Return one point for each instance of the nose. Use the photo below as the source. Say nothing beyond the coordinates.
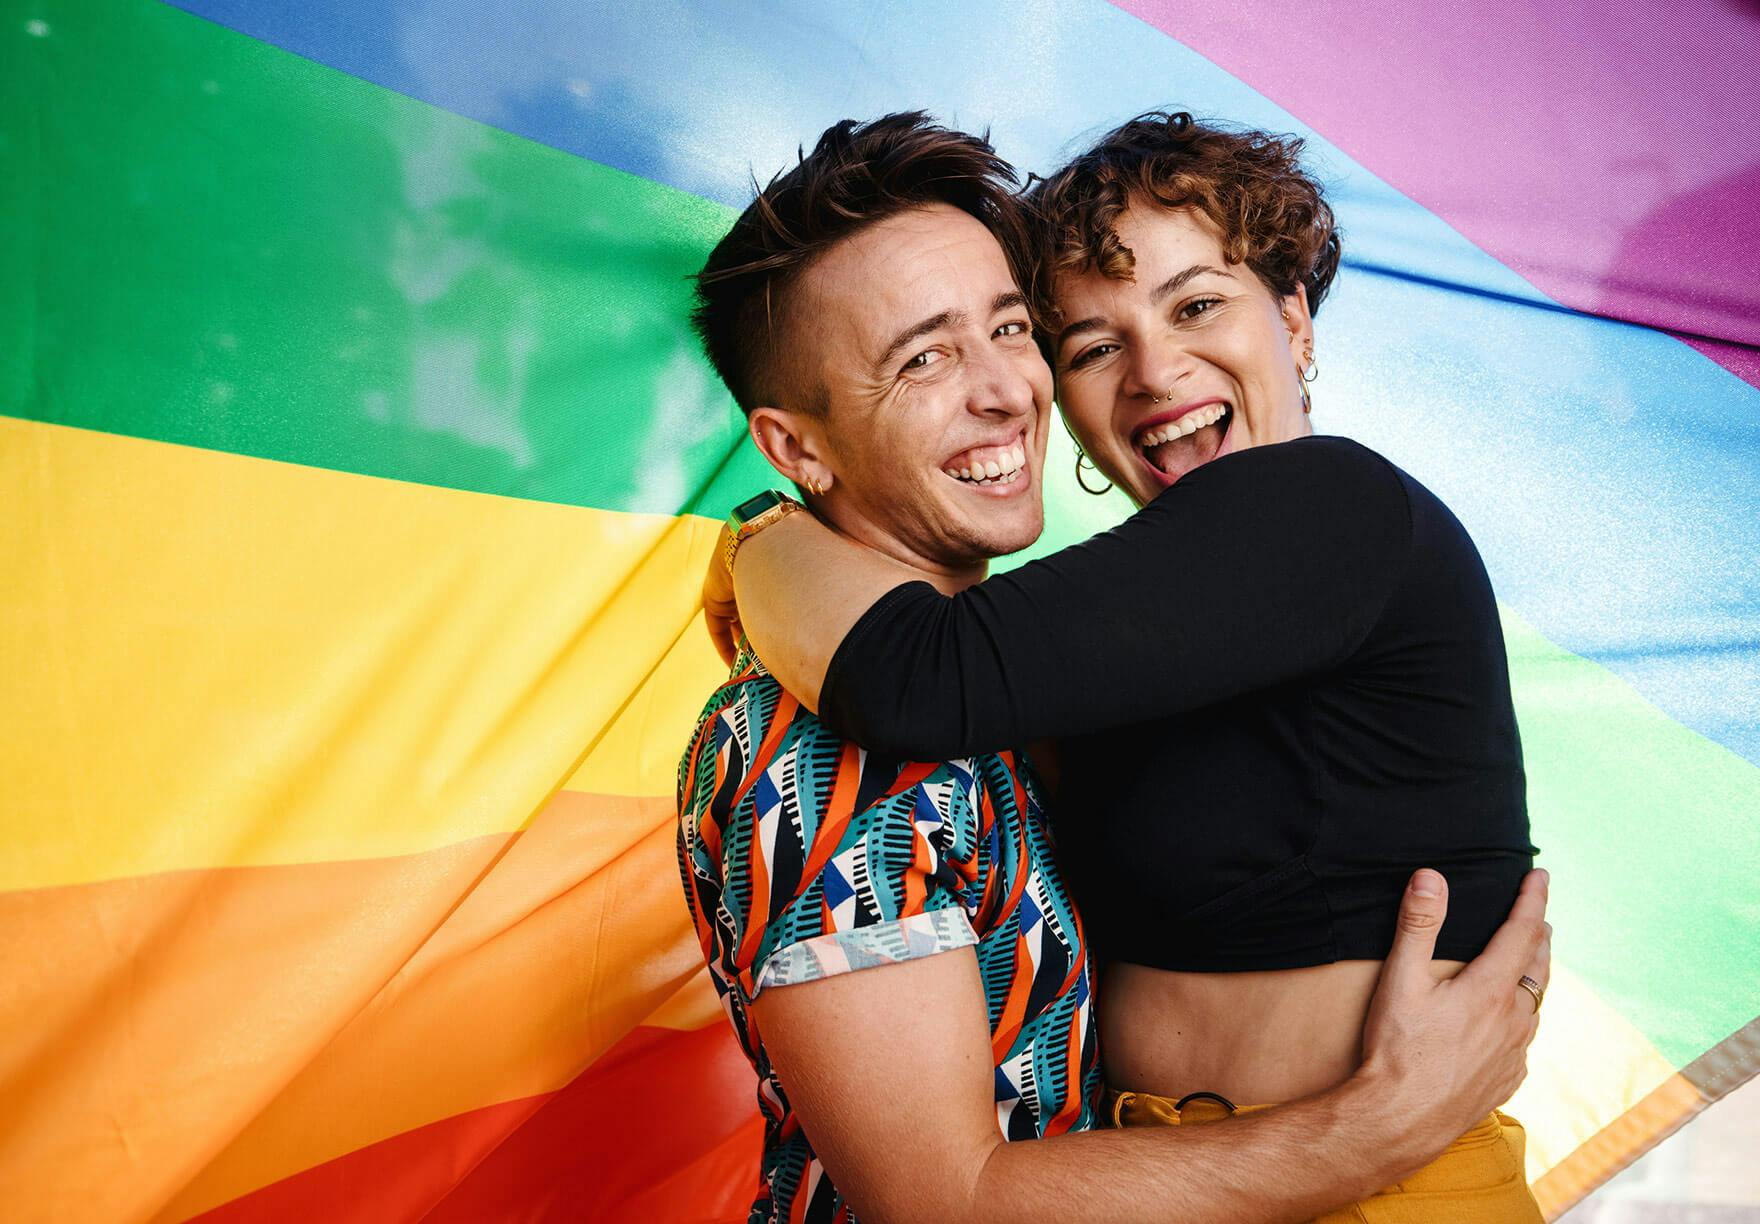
(1155, 368)
(1001, 384)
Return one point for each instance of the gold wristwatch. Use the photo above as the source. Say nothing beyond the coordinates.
(751, 517)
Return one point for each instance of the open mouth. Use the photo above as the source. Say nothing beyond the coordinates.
(989, 466)
(1192, 439)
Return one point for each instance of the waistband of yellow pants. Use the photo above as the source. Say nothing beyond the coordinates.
(1147, 1109)
(1478, 1179)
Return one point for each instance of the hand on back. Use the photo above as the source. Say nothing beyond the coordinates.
(720, 609)
(1448, 1052)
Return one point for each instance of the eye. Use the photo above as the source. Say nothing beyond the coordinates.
(1016, 328)
(1089, 355)
(924, 359)
(1198, 306)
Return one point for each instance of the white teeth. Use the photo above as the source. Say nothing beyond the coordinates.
(1187, 425)
(1001, 470)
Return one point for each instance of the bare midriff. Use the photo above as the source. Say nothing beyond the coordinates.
(1257, 1038)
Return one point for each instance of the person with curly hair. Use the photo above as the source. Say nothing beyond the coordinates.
(1276, 691)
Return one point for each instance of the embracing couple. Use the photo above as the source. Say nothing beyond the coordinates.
(1180, 874)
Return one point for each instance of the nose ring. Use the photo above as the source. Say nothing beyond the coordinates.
(1156, 399)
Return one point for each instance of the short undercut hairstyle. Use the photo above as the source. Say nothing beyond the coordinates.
(858, 174)
(1273, 215)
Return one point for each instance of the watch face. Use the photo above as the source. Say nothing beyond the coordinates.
(747, 510)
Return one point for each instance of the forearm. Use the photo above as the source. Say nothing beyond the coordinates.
(1291, 1163)
(1248, 574)
(794, 617)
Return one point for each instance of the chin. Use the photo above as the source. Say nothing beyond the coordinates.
(1004, 541)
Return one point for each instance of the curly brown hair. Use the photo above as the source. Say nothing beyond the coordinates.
(1250, 184)
(857, 174)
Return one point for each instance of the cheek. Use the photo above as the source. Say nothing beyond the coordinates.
(1264, 368)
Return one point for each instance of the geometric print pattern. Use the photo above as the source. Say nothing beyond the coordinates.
(804, 856)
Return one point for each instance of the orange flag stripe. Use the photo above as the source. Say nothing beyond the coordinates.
(664, 1126)
(175, 1041)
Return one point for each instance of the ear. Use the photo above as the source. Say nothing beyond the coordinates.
(792, 442)
(1298, 321)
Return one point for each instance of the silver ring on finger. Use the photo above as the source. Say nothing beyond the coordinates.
(1534, 988)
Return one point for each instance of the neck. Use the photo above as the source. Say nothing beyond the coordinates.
(946, 576)
(952, 582)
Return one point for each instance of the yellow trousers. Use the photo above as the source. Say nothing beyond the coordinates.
(1479, 1179)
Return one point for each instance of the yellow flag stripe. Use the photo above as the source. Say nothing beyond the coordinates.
(1588, 1065)
(215, 660)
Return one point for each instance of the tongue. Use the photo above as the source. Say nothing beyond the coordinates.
(1181, 455)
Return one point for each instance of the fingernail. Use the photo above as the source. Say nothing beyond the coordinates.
(1426, 884)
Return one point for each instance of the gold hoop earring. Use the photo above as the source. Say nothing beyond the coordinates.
(1081, 459)
(1308, 374)
(815, 488)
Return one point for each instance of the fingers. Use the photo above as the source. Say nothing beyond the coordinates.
(721, 633)
(1512, 949)
(1421, 911)
(719, 607)
(1540, 967)
(724, 632)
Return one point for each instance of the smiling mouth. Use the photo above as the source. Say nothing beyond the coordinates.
(1176, 447)
(987, 466)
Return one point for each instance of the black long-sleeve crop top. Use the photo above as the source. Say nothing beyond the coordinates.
(1280, 688)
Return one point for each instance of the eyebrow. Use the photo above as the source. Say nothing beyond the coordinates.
(1176, 282)
(1078, 327)
(1008, 300)
(1160, 293)
(917, 331)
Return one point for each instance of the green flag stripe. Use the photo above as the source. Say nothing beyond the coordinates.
(214, 242)
(1652, 834)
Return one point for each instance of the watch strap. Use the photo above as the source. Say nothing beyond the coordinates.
(752, 516)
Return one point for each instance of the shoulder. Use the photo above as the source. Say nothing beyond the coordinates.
(747, 721)
(1317, 485)
(1319, 461)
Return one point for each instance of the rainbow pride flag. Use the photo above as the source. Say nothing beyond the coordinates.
(359, 472)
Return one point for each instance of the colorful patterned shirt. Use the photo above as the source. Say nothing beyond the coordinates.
(803, 856)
